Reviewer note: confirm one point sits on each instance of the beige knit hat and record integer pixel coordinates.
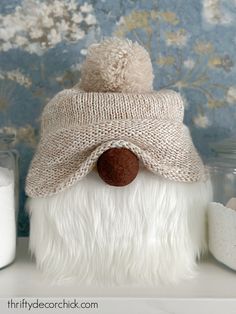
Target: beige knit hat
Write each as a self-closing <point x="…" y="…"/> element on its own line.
<point x="78" y="126"/>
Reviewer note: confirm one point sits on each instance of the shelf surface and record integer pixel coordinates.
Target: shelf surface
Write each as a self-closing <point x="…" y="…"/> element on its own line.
<point x="21" y="278"/>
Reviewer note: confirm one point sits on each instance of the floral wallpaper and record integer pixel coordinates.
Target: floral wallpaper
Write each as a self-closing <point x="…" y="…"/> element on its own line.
<point x="42" y="44"/>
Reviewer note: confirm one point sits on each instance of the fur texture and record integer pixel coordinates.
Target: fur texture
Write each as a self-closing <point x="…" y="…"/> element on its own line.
<point x="151" y="231"/>
<point x="117" y="65"/>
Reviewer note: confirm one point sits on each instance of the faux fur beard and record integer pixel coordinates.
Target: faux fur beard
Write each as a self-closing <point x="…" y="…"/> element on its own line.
<point x="148" y="232"/>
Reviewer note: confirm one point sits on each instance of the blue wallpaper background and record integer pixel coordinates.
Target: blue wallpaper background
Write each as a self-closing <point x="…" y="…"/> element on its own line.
<point x="42" y="44"/>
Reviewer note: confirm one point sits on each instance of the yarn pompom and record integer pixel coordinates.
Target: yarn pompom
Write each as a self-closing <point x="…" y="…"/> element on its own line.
<point x="117" y="65"/>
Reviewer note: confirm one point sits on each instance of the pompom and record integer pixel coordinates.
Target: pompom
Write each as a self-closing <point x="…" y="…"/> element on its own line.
<point x="117" y="65"/>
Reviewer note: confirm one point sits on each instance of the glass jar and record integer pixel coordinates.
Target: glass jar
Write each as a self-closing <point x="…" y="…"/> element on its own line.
<point x="223" y="171"/>
<point x="222" y="212"/>
<point x="9" y="180"/>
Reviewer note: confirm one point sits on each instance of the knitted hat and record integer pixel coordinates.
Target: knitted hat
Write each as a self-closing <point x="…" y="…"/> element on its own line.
<point x="112" y="106"/>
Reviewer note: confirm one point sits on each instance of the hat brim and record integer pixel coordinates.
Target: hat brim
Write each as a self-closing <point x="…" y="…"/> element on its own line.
<point x="66" y="156"/>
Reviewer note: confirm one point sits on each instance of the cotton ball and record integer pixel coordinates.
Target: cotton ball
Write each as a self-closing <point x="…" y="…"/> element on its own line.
<point x="117" y="65"/>
<point x="231" y="203"/>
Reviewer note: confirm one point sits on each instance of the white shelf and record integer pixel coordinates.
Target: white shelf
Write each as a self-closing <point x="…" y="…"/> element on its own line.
<point x="213" y="283"/>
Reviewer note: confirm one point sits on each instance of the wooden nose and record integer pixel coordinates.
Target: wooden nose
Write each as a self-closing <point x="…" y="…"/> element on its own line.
<point x="118" y="166"/>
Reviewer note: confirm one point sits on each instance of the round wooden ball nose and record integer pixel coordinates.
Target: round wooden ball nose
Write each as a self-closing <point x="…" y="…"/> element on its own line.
<point x="118" y="166"/>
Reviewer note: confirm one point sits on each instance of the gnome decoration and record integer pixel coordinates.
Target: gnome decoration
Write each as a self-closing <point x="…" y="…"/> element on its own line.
<point x="117" y="191"/>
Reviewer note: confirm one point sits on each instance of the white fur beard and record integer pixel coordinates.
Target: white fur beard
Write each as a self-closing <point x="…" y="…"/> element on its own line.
<point x="149" y="232"/>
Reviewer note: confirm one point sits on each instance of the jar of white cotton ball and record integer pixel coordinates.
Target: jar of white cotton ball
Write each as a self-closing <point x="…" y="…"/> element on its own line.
<point x="8" y="199"/>
<point x="223" y="171"/>
<point x="222" y="212"/>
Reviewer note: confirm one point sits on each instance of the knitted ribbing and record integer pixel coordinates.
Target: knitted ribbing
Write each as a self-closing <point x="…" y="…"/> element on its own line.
<point x="77" y="127"/>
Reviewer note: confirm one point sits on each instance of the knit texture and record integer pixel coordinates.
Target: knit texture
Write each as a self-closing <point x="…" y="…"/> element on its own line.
<point x="77" y="127"/>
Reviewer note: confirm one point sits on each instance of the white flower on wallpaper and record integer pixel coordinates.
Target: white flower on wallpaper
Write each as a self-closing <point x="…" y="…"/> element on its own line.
<point x="83" y="52"/>
<point x="37" y="25"/>
<point x="25" y="134"/>
<point x="75" y="67"/>
<point x="231" y="95"/>
<point x="189" y="64"/>
<point x="17" y="76"/>
<point x="178" y="38"/>
<point x="219" y="11"/>
<point x="201" y="121"/>
<point x="86" y="8"/>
